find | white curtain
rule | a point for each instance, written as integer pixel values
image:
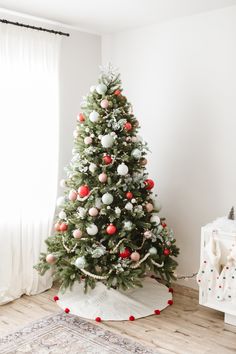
(29, 114)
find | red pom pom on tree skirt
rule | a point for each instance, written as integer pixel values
(170, 302)
(129, 195)
(171, 290)
(83, 191)
(166, 252)
(131, 318)
(157, 312)
(98, 319)
(125, 254)
(128, 126)
(80, 117)
(67, 310)
(63, 227)
(56, 298)
(117, 92)
(149, 184)
(107, 159)
(111, 229)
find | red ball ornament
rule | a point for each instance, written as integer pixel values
(125, 254)
(157, 312)
(67, 310)
(57, 226)
(117, 92)
(171, 290)
(129, 195)
(83, 191)
(149, 184)
(98, 319)
(170, 302)
(131, 318)
(163, 224)
(80, 117)
(128, 126)
(111, 229)
(107, 159)
(166, 252)
(63, 227)
(56, 298)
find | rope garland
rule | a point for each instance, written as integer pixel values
(117, 246)
(157, 264)
(136, 265)
(95, 276)
(66, 248)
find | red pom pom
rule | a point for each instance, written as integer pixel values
(166, 252)
(80, 117)
(83, 191)
(117, 92)
(131, 318)
(67, 310)
(107, 159)
(125, 254)
(98, 319)
(170, 302)
(57, 227)
(171, 290)
(129, 195)
(56, 298)
(128, 126)
(157, 312)
(111, 229)
(149, 184)
(163, 224)
(63, 227)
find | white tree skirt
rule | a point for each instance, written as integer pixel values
(115, 305)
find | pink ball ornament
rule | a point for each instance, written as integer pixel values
(104, 103)
(72, 195)
(134, 139)
(50, 258)
(149, 207)
(135, 256)
(102, 177)
(88, 140)
(93, 211)
(77, 233)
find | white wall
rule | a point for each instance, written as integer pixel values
(181, 78)
(79, 68)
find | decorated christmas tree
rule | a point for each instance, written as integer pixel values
(107, 228)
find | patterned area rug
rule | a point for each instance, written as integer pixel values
(67, 334)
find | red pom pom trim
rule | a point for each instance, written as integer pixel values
(171, 290)
(157, 312)
(131, 318)
(67, 310)
(56, 298)
(170, 302)
(98, 319)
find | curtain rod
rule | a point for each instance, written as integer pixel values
(34, 27)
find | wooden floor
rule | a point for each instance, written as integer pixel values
(184, 327)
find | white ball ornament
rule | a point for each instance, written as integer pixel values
(101, 89)
(102, 177)
(50, 258)
(92, 230)
(136, 153)
(129, 206)
(60, 201)
(98, 203)
(152, 251)
(88, 140)
(93, 211)
(80, 262)
(62, 215)
(92, 167)
(134, 139)
(107, 141)
(155, 218)
(94, 116)
(122, 169)
(107, 198)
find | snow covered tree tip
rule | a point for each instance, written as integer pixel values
(107, 226)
